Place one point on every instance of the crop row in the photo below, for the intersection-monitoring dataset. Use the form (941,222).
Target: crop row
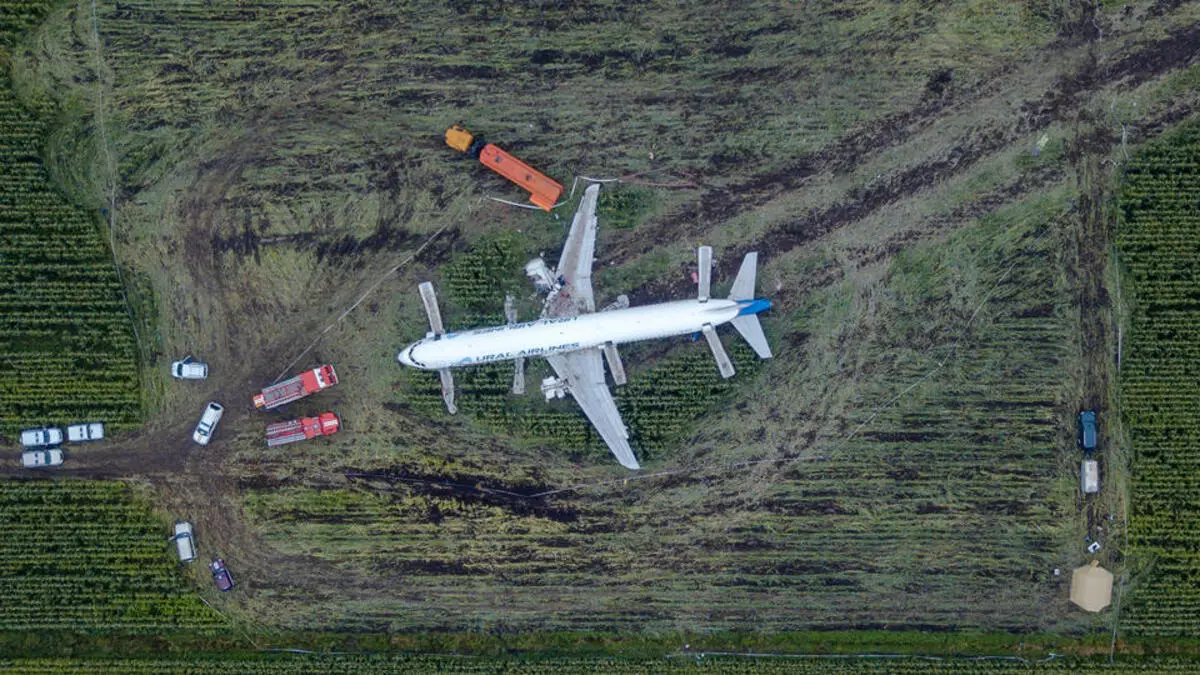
(1158,247)
(696,662)
(59,293)
(84,555)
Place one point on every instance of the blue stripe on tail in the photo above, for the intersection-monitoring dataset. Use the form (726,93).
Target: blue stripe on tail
(753,306)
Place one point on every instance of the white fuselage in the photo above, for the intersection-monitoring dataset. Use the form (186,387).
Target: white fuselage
(549,336)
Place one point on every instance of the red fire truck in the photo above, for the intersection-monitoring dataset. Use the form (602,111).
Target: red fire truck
(282,433)
(308,382)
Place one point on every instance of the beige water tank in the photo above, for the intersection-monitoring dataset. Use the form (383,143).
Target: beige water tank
(1091,587)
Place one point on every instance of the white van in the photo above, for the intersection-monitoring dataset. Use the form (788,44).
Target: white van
(40,438)
(188,369)
(91,431)
(208,423)
(185,546)
(33,459)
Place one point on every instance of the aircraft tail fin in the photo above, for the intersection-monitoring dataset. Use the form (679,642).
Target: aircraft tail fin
(746,322)
(743,284)
(752,331)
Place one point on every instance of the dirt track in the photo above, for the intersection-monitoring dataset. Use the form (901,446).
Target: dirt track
(1062,103)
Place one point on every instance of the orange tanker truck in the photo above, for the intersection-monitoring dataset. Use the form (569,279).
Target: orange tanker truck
(543,191)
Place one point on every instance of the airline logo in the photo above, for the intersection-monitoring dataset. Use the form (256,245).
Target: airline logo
(514,326)
(533,351)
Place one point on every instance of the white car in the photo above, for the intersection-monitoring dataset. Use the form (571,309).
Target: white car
(188,369)
(92,431)
(40,438)
(32,459)
(208,423)
(185,546)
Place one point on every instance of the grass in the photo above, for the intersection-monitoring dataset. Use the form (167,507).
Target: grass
(276,160)
(949,494)
(624,208)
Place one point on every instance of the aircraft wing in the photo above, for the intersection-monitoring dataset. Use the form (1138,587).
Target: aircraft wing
(575,263)
(584,372)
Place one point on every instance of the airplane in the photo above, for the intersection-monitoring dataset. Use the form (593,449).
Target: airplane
(572,335)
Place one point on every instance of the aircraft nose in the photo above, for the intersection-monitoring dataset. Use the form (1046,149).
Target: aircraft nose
(403,358)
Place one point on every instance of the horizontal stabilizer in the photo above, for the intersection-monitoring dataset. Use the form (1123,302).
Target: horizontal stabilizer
(718,351)
(743,285)
(751,330)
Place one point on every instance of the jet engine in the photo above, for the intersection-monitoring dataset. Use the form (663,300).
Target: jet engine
(554,387)
(543,278)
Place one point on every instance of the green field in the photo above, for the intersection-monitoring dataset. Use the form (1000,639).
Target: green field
(930,189)
(682,663)
(86,555)
(67,353)
(1159,244)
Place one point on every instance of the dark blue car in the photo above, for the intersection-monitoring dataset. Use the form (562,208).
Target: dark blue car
(1087,429)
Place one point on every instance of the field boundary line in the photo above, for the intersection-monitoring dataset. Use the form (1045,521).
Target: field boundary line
(378,282)
(296,650)
(686,653)
(231,622)
(111,174)
(1116,621)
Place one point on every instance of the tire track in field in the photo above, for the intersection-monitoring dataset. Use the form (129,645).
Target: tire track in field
(1098,140)
(843,156)
(866,256)
(1060,104)
(989,202)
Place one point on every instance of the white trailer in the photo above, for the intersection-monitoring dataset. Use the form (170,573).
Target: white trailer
(1089,476)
